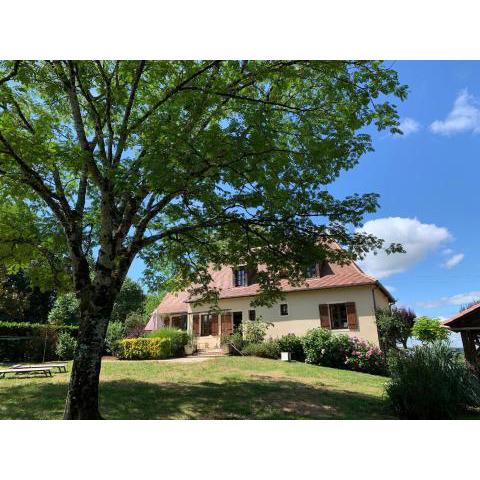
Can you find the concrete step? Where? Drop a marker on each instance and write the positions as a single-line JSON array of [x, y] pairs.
[[209, 353]]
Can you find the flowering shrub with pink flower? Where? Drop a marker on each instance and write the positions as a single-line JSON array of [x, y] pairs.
[[365, 357], [322, 347]]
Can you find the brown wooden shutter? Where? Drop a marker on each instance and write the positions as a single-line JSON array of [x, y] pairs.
[[196, 324], [227, 323], [214, 324], [324, 316], [352, 318]]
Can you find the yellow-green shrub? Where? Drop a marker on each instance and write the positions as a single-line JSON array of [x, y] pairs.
[[144, 348]]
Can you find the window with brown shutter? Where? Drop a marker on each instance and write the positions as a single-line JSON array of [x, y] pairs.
[[324, 316], [352, 318]]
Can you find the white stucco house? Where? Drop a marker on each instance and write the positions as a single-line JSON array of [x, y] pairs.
[[340, 298]]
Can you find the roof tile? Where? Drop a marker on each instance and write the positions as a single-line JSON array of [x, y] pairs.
[[332, 276]]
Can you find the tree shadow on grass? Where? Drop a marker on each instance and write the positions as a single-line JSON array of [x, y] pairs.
[[259, 398]]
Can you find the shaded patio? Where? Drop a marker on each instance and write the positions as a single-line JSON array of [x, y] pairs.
[[467, 323]]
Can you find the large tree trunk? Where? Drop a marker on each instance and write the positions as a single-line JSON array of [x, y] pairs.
[[82, 397], [96, 304]]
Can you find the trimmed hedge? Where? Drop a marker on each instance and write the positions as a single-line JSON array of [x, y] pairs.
[[25, 329], [26, 342], [144, 349], [178, 339]]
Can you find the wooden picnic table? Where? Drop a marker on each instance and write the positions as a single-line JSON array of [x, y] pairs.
[[47, 371], [62, 367]]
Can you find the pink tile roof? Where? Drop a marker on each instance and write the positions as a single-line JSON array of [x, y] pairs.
[[174, 303], [468, 317], [332, 276]]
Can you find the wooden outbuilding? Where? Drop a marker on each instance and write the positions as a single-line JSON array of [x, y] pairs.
[[467, 323]]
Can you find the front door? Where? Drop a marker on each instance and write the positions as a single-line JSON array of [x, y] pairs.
[[237, 320]]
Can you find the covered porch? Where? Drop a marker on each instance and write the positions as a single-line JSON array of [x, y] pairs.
[[467, 323], [207, 328]]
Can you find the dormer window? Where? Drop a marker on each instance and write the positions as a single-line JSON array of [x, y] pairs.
[[240, 277], [311, 271]]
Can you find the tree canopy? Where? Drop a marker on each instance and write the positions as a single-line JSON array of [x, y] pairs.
[[187, 163], [20, 302], [197, 162], [130, 299]]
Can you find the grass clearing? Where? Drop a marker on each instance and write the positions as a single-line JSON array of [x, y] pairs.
[[219, 388]]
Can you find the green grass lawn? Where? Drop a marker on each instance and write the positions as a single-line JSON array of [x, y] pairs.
[[219, 388]]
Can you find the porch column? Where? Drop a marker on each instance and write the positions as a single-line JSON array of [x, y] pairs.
[[190, 323]]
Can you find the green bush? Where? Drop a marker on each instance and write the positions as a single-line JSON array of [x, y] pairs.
[[431, 382], [268, 349], [30, 342], [394, 326], [322, 347], [135, 324], [115, 332], [293, 344], [428, 329], [66, 345], [144, 348], [65, 310], [129, 299], [236, 340], [365, 357], [255, 331], [177, 338]]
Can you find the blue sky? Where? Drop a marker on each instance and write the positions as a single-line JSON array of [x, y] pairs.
[[427, 180], [428, 183]]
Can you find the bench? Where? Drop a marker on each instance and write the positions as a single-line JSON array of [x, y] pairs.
[[47, 371], [62, 367]]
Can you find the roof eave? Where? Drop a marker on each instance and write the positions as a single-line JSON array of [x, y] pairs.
[[309, 289], [385, 292]]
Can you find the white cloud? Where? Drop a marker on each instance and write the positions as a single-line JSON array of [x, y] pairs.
[[464, 117], [459, 299], [447, 251], [454, 260], [418, 240], [408, 126]]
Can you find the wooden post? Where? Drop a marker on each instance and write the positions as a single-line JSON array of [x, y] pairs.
[[471, 347]]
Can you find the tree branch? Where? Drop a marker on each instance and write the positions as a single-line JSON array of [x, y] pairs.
[[97, 120], [25, 122], [12, 74], [70, 90], [172, 92], [283, 106], [126, 116], [35, 181]]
